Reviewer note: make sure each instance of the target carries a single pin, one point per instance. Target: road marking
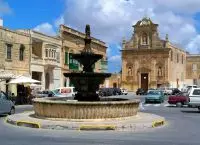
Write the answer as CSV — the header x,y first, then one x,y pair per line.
x,y
156,105
146,105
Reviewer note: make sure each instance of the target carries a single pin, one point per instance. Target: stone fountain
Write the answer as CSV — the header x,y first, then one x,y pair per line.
x,y
88,104
88,112
87,82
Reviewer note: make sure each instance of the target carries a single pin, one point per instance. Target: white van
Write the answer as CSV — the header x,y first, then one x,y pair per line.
x,y
188,88
65,92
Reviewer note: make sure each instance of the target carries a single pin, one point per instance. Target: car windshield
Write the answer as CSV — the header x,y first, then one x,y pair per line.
x,y
154,93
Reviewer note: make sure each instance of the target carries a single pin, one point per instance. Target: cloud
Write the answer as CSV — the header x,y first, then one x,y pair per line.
x,y
115,58
45,28
59,21
112,20
4,8
193,46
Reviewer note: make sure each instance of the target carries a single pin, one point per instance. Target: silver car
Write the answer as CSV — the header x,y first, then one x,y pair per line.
x,y
6,105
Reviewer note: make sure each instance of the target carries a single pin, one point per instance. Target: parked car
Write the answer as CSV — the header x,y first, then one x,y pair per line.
x,y
179,99
194,98
188,87
166,90
6,105
140,91
117,91
102,92
46,93
65,92
154,96
124,91
175,91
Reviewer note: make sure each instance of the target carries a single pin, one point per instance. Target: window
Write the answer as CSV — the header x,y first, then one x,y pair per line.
x,y
21,52
195,81
194,67
196,92
171,55
54,53
49,52
3,96
58,56
177,57
9,52
46,52
144,39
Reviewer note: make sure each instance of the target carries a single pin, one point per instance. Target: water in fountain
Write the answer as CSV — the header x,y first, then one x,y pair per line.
x,y
87,81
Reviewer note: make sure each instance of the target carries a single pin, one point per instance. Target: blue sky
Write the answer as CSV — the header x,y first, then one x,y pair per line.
x,y
110,20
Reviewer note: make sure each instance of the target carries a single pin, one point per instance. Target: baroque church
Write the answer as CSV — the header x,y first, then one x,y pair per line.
x,y
150,62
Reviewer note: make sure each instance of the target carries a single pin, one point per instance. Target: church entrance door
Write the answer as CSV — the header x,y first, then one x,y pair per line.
x,y
144,81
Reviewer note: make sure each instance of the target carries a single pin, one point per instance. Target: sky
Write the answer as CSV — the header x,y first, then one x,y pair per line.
x,y
110,20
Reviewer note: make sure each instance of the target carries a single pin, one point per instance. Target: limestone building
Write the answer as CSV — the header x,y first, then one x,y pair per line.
x,y
150,62
14,57
193,69
73,42
45,64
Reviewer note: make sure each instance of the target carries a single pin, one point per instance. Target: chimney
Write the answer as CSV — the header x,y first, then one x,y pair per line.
x,y
1,22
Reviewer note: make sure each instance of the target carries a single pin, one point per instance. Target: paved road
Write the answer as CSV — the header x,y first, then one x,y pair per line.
x,y
182,129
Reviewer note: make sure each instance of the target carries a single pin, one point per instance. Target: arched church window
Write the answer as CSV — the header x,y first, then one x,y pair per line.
x,y
144,39
129,71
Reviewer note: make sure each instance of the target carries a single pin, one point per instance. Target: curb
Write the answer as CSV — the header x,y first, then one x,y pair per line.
x,y
158,123
24,123
97,127
131,124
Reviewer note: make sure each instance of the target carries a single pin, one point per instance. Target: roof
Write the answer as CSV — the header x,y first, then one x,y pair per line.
x,y
80,34
145,22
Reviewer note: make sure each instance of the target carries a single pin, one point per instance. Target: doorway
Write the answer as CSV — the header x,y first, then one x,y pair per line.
x,y
144,81
114,85
47,81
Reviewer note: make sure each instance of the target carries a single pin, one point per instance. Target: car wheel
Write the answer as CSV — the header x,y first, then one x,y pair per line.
x,y
12,111
178,104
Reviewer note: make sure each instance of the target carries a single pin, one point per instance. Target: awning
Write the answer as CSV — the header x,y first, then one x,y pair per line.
x,y
5,75
23,80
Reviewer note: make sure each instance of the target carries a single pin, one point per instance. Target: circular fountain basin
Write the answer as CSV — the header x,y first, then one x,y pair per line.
x,y
71,109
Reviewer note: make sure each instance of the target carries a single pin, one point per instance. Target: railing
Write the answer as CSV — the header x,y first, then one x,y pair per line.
x,y
50,61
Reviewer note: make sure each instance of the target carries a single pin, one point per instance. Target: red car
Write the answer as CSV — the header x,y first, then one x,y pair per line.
x,y
179,99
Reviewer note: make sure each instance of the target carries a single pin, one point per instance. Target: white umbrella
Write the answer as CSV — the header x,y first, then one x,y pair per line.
x,y
23,80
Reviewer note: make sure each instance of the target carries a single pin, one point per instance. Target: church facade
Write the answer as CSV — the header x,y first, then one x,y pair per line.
x,y
150,62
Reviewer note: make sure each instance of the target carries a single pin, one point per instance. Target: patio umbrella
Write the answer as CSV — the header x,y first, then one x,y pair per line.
x,y
23,80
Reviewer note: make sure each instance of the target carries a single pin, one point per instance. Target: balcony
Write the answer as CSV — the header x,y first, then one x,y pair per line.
x,y
50,62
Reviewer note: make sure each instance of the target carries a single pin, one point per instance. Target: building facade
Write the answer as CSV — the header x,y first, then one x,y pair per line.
x,y
14,56
73,42
149,62
193,70
45,64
